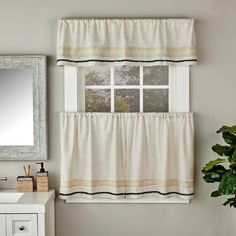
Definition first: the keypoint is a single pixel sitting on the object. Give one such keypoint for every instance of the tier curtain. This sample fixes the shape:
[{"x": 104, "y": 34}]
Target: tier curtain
[
  {"x": 84, "y": 42},
  {"x": 127, "y": 155}
]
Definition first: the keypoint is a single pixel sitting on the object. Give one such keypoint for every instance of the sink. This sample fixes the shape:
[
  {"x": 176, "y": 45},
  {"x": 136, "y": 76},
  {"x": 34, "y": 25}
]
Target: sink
[{"x": 8, "y": 197}]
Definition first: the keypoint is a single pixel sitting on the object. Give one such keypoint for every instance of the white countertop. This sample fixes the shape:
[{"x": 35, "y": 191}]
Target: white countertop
[{"x": 30, "y": 202}]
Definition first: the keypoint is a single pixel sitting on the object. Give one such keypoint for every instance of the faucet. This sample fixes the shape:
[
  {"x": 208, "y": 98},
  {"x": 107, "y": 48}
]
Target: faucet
[{"x": 3, "y": 178}]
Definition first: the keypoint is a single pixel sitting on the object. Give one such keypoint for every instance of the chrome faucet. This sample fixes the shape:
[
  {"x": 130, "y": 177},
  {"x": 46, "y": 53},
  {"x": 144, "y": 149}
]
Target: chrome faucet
[{"x": 3, "y": 178}]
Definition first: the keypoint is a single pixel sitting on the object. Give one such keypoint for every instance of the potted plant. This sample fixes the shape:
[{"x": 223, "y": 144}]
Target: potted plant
[{"x": 223, "y": 170}]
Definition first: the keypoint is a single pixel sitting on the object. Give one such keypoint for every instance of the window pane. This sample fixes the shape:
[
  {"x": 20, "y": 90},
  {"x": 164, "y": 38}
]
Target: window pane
[
  {"x": 155, "y": 100},
  {"x": 97, "y": 75},
  {"x": 126, "y": 100},
  {"x": 155, "y": 75},
  {"x": 97, "y": 100},
  {"x": 126, "y": 75}
]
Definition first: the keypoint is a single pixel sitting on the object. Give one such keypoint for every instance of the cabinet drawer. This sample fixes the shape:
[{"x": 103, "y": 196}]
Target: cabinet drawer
[{"x": 22, "y": 225}]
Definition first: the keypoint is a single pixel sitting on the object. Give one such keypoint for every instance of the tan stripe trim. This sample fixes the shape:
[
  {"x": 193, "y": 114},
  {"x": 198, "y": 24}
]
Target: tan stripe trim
[
  {"x": 159, "y": 183},
  {"x": 128, "y": 48},
  {"x": 121, "y": 183},
  {"x": 95, "y": 183},
  {"x": 128, "y": 52}
]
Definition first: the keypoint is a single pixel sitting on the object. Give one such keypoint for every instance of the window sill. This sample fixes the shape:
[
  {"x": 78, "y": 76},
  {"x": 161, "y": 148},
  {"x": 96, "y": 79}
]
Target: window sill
[{"x": 130, "y": 201}]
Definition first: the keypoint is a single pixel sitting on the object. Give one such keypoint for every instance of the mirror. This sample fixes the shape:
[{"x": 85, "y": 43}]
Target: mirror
[
  {"x": 23, "y": 108},
  {"x": 16, "y": 110}
]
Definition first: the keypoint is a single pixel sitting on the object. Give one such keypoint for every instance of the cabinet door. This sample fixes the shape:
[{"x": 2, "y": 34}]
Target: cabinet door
[
  {"x": 22, "y": 225},
  {"x": 3, "y": 231}
]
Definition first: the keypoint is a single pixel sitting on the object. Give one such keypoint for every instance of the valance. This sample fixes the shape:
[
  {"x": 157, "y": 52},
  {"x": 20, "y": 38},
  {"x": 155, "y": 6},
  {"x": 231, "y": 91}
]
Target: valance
[
  {"x": 127, "y": 155},
  {"x": 84, "y": 42}
]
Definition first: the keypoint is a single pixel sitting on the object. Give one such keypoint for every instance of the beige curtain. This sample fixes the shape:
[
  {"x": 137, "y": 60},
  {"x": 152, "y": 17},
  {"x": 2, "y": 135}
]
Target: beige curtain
[
  {"x": 126, "y": 155},
  {"x": 113, "y": 42}
]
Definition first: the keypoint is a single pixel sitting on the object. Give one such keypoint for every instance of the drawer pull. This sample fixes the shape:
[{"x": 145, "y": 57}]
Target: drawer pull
[{"x": 21, "y": 228}]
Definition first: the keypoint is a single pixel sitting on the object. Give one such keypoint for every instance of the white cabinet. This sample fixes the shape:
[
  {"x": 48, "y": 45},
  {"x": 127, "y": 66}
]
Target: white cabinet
[
  {"x": 2, "y": 225},
  {"x": 20, "y": 225},
  {"x": 32, "y": 215}
]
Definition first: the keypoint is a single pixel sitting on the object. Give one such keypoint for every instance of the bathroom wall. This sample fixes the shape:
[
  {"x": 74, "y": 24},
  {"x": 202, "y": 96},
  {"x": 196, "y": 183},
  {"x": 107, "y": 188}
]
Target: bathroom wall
[{"x": 29, "y": 27}]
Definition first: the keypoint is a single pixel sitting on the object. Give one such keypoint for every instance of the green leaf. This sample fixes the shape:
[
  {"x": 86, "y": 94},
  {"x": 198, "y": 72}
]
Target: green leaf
[
  {"x": 229, "y": 138},
  {"x": 222, "y": 150},
  {"x": 215, "y": 194},
  {"x": 227, "y": 184},
  {"x": 231, "y": 129},
  {"x": 214, "y": 175},
  {"x": 233, "y": 158},
  {"x": 213, "y": 163},
  {"x": 229, "y": 200}
]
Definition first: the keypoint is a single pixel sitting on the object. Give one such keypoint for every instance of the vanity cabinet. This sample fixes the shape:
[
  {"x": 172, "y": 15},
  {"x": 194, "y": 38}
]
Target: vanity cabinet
[
  {"x": 19, "y": 224},
  {"x": 32, "y": 215}
]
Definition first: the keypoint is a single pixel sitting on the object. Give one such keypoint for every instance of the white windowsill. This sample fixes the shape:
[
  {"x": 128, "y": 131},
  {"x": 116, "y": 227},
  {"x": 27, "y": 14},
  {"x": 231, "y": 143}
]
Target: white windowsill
[{"x": 129, "y": 201}]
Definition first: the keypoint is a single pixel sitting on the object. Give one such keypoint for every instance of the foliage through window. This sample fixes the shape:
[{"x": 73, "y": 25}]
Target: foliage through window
[{"x": 127, "y": 89}]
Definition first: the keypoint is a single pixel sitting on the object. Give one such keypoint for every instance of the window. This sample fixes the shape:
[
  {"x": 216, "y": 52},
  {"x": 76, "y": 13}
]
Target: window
[{"x": 127, "y": 89}]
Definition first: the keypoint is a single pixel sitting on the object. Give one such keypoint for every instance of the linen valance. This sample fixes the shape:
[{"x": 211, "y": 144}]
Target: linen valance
[
  {"x": 127, "y": 155},
  {"x": 84, "y": 42}
]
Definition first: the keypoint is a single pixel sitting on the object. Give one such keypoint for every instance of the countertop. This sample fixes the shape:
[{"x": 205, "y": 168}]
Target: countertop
[{"x": 30, "y": 202}]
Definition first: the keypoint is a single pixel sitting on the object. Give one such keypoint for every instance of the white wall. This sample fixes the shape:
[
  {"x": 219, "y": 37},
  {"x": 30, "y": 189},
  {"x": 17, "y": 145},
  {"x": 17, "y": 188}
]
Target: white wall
[{"x": 29, "y": 27}]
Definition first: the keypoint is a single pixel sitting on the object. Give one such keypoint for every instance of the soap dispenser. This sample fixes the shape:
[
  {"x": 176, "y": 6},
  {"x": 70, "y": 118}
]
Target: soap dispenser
[{"x": 42, "y": 179}]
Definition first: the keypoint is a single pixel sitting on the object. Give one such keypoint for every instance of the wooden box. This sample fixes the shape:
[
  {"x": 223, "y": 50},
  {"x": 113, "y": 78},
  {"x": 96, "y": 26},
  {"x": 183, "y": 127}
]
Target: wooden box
[
  {"x": 42, "y": 183},
  {"x": 25, "y": 184}
]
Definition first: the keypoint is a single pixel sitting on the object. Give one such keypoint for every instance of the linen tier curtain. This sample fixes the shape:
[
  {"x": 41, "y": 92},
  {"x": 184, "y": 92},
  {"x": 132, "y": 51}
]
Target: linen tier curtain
[
  {"x": 84, "y": 42},
  {"x": 126, "y": 155}
]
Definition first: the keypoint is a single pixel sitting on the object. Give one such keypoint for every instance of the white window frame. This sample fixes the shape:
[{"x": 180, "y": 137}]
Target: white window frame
[
  {"x": 74, "y": 101},
  {"x": 74, "y": 89}
]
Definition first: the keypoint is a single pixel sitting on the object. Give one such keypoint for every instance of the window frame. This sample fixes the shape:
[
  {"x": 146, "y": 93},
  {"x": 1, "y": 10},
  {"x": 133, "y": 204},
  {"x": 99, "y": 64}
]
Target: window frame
[
  {"x": 74, "y": 101},
  {"x": 74, "y": 89}
]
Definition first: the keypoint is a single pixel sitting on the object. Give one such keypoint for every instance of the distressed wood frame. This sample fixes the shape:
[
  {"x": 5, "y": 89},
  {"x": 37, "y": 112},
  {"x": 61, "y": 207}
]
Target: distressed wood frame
[{"x": 37, "y": 63}]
